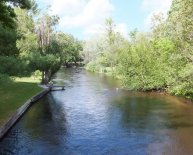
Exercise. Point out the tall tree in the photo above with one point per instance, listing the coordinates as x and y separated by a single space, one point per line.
8 15
180 25
10 63
47 57
8 34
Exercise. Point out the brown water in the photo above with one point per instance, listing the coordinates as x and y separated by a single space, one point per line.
93 117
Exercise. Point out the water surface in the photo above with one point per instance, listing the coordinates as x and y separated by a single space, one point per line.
93 117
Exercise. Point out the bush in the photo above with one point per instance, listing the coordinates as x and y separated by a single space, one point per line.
13 66
93 67
37 74
4 79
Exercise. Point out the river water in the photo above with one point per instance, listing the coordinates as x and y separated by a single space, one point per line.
93 117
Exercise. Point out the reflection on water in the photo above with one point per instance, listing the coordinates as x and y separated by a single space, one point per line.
93 117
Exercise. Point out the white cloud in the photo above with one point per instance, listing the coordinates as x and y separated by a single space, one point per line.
155 7
93 29
84 14
67 7
123 29
46 2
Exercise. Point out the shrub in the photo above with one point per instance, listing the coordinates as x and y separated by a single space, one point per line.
4 79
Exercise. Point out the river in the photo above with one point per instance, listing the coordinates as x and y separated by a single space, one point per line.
94 117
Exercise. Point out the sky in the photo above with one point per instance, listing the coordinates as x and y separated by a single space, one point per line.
85 18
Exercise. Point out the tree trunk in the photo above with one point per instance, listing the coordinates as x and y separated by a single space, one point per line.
43 77
46 76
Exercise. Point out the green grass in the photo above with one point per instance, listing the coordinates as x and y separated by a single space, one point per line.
27 79
15 94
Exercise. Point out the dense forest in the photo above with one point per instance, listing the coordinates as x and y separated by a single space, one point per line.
161 59
30 43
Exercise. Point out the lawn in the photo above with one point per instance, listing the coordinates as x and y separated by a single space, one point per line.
14 95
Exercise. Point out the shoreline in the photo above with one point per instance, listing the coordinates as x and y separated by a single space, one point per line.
160 91
11 121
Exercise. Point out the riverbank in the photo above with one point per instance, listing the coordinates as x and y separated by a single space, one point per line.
14 94
188 99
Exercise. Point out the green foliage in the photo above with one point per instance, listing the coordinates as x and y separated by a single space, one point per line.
4 79
8 39
70 48
8 25
44 63
103 51
10 62
48 62
13 66
8 15
93 66
37 74
143 64
29 42
184 83
159 60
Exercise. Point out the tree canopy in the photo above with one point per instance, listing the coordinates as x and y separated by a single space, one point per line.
30 42
161 59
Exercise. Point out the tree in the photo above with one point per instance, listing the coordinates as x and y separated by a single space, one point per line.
48 63
114 40
110 30
70 49
8 15
8 39
28 41
9 53
47 57
180 28
161 59
102 51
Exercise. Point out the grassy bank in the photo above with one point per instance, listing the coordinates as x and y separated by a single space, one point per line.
14 94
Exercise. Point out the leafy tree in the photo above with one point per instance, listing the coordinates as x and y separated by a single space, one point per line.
110 30
8 39
10 63
70 48
29 42
47 57
180 27
8 15
105 50
48 63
